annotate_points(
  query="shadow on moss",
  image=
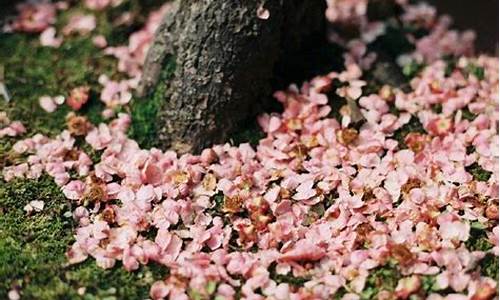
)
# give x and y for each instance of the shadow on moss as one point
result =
(145, 112)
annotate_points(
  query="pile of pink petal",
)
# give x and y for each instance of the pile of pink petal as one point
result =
(10, 128)
(380, 203)
(440, 41)
(305, 157)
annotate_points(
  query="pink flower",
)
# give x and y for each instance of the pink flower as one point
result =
(262, 13)
(99, 41)
(130, 262)
(47, 104)
(159, 290)
(74, 190)
(78, 97)
(99, 137)
(116, 93)
(407, 286)
(34, 17)
(76, 254)
(440, 126)
(305, 190)
(208, 156)
(48, 38)
(34, 205)
(13, 295)
(170, 245)
(13, 129)
(455, 230)
(269, 123)
(81, 24)
(303, 250)
(316, 197)
(97, 4)
(272, 194)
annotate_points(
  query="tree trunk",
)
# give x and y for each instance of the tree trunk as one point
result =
(226, 59)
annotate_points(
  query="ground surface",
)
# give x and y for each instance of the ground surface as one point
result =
(33, 245)
(32, 249)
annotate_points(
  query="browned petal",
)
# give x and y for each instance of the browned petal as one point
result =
(108, 215)
(412, 183)
(402, 254)
(77, 125)
(232, 204)
(348, 136)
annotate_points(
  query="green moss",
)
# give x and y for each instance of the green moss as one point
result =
(291, 280)
(412, 69)
(32, 250)
(478, 240)
(429, 284)
(29, 244)
(32, 247)
(335, 101)
(32, 71)
(384, 278)
(470, 149)
(379, 10)
(205, 294)
(477, 71)
(437, 108)
(468, 115)
(339, 293)
(478, 173)
(145, 112)
(489, 266)
(451, 65)
(93, 154)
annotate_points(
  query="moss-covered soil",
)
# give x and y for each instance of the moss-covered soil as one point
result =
(32, 247)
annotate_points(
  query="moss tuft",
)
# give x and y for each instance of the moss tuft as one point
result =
(468, 115)
(478, 241)
(384, 278)
(477, 71)
(145, 112)
(489, 266)
(412, 69)
(49, 71)
(478, 172)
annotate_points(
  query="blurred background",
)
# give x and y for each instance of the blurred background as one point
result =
(479, 15)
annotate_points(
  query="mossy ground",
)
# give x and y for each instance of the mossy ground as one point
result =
(32, 250)
(32, 247)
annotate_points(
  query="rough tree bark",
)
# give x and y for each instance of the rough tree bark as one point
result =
(226, 57)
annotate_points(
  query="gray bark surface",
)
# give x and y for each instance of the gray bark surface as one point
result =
(226, 58)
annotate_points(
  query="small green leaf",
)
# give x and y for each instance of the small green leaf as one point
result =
(211, 286)
(478, 225)
(412, 69)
